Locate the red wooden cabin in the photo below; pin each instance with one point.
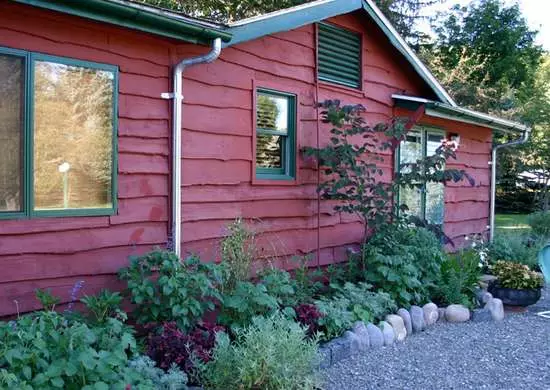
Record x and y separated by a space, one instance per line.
87 154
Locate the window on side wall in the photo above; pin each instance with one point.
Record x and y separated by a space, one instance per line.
57 136
339 54
427 201
275 135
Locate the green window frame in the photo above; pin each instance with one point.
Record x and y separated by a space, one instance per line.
27 182
339 56
287 168
434 191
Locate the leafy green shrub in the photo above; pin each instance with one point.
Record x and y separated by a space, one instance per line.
540 223
46 299
104 305
166 289
337 317
306 280
280 285
514 275
459 277
350 303
273 353
45 350
246 301
517 247
403 262
173 379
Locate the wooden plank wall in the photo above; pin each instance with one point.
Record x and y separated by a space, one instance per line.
57 252
217 164
217 153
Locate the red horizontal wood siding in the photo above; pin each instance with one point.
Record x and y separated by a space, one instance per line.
217 153
56 252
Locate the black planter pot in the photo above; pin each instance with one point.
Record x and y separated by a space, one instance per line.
515 297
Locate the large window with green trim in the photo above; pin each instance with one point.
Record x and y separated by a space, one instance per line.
275 135
427 201
339 56
58 120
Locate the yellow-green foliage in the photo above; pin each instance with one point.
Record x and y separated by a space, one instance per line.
514 275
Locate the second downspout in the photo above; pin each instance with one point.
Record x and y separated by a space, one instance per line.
177 97
496 148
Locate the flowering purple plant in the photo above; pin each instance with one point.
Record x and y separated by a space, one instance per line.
74 295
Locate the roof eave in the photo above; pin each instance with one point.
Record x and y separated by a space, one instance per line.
137 17
288 19
463 115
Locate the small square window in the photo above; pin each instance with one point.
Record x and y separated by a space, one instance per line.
275 135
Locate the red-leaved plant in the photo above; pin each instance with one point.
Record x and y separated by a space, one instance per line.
171 345
309 315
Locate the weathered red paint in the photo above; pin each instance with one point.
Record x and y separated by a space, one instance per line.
217 153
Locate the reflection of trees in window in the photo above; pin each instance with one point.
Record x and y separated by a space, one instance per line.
426 200
11 128
269 147
73 108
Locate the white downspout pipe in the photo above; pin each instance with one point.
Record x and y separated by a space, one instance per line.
177 97
496 148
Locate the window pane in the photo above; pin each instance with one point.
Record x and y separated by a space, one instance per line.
432 143
272 113
435 202
412 197
11 130
269 151
411 149
73 130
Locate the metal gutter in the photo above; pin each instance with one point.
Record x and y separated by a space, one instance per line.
496 148
137 17
177 96
464 115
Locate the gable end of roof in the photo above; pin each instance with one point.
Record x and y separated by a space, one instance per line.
316 11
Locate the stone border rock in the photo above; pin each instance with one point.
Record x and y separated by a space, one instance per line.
404 323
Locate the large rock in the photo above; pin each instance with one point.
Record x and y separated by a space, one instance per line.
404 314
417 319
441 314
495 306
430 313
481 315
398 326
353 341
387 331
361 332
340 349
483 297
376 337
457 313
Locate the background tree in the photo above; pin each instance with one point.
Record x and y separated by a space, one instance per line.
404 14
486 56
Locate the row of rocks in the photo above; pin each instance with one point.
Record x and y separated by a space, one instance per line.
396 327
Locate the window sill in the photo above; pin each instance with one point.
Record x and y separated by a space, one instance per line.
274 180
74 213
37 214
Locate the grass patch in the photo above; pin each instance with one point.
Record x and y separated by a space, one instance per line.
511 222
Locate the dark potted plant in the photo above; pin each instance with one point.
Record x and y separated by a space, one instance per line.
516 284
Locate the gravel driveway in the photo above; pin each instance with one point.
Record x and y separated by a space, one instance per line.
512 354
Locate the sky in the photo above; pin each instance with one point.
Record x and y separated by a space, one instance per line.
537 13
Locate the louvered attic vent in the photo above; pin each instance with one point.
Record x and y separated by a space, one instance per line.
339 56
